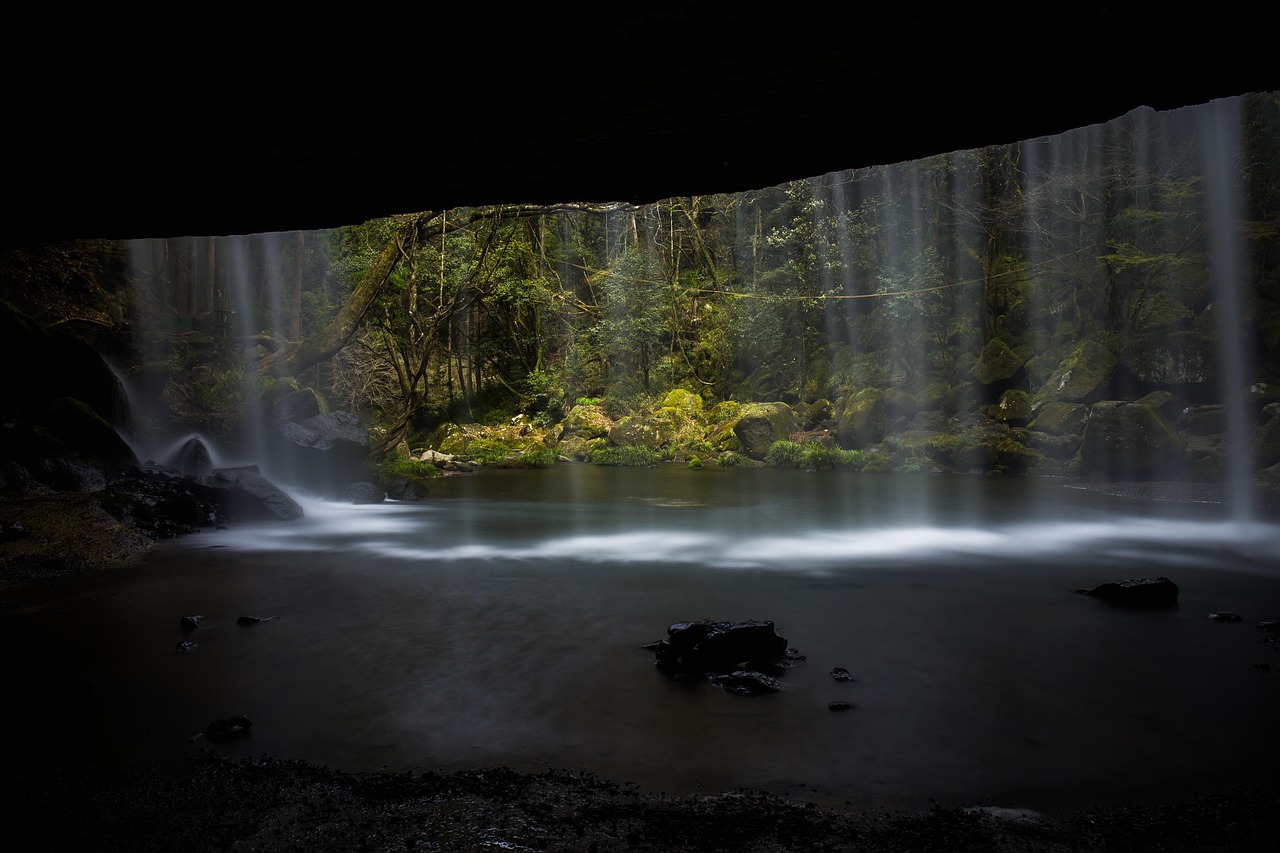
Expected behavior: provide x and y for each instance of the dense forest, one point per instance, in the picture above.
(978, 310)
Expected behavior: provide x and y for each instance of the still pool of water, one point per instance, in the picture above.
(500, 622)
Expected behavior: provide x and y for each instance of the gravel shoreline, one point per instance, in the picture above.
(270, 805)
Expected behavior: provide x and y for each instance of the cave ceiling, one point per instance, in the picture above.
(215, 124)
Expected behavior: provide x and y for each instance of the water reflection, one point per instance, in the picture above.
(500, 622)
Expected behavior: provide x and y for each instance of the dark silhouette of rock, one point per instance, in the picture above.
(244, 494)
(231, 728)
(839, 706)
(720, 647)
(363, 493)
(1224, 616)
(406, 489)
(326, 452)
(185, 646)
(1137, 592)
(253, 620)
(841, 674)
(191, 459)
(746, 683)
(190, 623)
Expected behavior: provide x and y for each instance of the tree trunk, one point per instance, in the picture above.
(298, 356)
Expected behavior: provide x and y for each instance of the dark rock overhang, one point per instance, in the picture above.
(201, 126)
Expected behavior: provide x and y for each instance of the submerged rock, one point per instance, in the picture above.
(1224, 616)
(231, 728)
(747, 683)
(1137, 592)
(839, 673)
(253, 620)
(190, 623)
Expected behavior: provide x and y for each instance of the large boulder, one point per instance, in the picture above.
(1126, 440)
(861, 421)
(711, 646)
(759, 425)
(996, 363)
(325, 453)
(1081, 377)
(1137, 592)
(243, 494)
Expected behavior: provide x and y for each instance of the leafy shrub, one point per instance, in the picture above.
(636, 456)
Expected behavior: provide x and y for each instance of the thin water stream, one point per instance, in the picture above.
(500, 622)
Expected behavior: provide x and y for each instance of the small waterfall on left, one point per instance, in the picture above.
(209, 314)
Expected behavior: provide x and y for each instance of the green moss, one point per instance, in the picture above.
(635, 456)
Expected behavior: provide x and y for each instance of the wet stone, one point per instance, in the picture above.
(1224, 616)
(185, 647)
(839, 706)
(839, 673)
(190, 623)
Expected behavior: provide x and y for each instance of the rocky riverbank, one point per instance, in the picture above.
(270, 805)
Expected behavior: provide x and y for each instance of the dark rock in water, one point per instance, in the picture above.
(406, 489)
(185, 646)
(1137, 592)
(326, 452)
(720, 647)
(220, 731)
(746, 683)
(841, 674)
(1224, 616)
(1272, 625)
(363, 493)
(839, 706)
(244, 494)
(191, 459)
(190, 623)
(253, 620)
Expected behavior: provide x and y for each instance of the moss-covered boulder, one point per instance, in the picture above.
(759, 425)
(1081, 377)
(639, 431)
(1203, 420)
(1061, 419)
(1127, 440)
(811, 415)
(679, 398)
(899, 404)
(996, 363)
(862, 421)
(585, 421)
(721, 419)
(1014, 407)
(579, 448)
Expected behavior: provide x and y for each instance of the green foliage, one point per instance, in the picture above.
(811, 456)
(399, 468)
(636, 456)
(487, 451)
(538, 458)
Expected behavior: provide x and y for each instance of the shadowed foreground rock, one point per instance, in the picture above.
(269, 805)
(1137, 592)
